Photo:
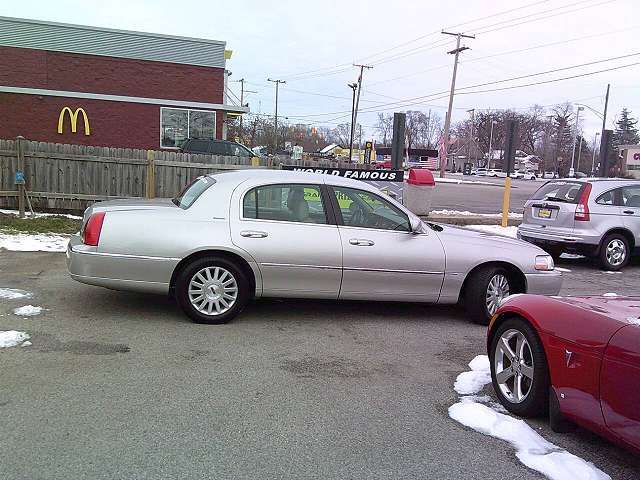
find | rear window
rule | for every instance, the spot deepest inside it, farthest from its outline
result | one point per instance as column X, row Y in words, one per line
column 196, row 146
column 559, row 191
column 191, row 192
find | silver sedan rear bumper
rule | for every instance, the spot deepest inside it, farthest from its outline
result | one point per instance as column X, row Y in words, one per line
column 118, row 272
column 544, row 283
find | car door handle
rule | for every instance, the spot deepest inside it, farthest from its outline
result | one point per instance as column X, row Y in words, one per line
column 253, row 234
column 629, row 212
column 361, row 242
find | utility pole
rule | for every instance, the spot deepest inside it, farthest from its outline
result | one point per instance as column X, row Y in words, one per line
column 603, row 155
column 352, row 86
column 275, row 123
column 354, row 117
column 593, row 157
column 447, row 123
column 545, row 149
column 242, row 92
column 488, row 164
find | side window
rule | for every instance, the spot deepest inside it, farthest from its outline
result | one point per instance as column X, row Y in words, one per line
column 217, row 148
column 608, row 198
column 286, row 203
column 360, row 208
column 631, row 196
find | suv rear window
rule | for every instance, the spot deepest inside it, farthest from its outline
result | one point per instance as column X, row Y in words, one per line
column 196, row 146
column 560, row 191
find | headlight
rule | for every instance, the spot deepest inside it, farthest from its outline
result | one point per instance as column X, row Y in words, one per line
column 544, row 262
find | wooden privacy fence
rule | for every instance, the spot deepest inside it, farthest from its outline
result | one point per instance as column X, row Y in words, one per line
column 63, row 177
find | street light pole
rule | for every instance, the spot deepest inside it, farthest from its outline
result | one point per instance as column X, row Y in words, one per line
column 575, row 139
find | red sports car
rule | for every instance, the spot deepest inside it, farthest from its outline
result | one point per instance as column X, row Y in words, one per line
column 577, row 358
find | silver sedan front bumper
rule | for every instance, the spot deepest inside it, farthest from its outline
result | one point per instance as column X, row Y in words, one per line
column 544, row 283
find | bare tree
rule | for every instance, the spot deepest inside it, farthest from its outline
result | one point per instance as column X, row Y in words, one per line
column 384, row 126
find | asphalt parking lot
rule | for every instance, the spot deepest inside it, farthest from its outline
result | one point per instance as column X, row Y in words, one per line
column 122, row 385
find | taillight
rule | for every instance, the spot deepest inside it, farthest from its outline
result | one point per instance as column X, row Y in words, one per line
column 91, row 234
column 582, row 209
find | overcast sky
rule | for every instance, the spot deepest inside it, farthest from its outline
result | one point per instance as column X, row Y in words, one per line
column 286, row 39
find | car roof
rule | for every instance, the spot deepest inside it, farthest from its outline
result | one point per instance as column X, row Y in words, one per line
column 283, row 176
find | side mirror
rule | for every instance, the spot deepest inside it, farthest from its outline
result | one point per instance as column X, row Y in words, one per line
column 416, row 225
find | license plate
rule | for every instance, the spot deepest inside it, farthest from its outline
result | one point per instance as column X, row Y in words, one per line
column 544, row 213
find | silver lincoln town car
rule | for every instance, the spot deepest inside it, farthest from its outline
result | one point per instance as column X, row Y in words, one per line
column 231, row 237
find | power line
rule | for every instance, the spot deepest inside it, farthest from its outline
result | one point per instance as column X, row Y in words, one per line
column 345, row 66
column 403, row 103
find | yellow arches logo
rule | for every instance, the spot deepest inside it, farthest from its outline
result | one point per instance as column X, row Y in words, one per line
column 73, row 117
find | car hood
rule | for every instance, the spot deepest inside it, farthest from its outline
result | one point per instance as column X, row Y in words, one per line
column 476, row 237
column 623, row 309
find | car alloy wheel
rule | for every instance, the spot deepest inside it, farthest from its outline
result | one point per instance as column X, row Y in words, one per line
column 497, row 291
column 616, row 252
column 513, row 366
column 213, row 291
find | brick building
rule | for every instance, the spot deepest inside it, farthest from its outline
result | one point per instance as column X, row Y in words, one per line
column 113, row 87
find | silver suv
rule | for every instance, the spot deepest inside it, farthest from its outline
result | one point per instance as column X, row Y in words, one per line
column 599, row 218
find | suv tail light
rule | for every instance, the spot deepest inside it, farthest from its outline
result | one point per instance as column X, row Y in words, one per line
column 91, row 233
column 582, row 209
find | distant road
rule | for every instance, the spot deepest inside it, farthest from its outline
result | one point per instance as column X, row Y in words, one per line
column 473, row 197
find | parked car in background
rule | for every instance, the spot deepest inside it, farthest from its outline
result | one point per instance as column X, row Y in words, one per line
column 216, row 147
column 599, row 218
column 228, row 238
column 481, row 172
column 524, row 175
column 496, row 172
column 577, row 358
column 549, row 175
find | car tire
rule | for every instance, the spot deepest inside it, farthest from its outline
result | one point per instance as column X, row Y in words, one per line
column 224, row 288
column 534, row 392
column 614, row 252
column 476, row 293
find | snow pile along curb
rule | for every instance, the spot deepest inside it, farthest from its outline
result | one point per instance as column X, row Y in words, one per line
column 480, row 414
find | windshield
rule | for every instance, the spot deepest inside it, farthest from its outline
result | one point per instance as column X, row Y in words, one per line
column 559, row 191
column 191, row 192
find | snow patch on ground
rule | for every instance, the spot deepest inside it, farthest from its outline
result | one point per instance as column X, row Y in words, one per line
column 610, row 294
column 28, row 311
column 481, row 414
column 466, row 213
column 11, row 338
column 495, row 229
column 24, row 242
column 474, row 380
column 13, row 293
column 560, row 269
column 36, row 215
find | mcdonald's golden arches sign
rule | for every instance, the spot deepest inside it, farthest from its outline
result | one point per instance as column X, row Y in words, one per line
column 73, row 118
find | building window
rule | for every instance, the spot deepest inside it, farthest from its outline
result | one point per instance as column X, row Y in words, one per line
column 178, row 124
